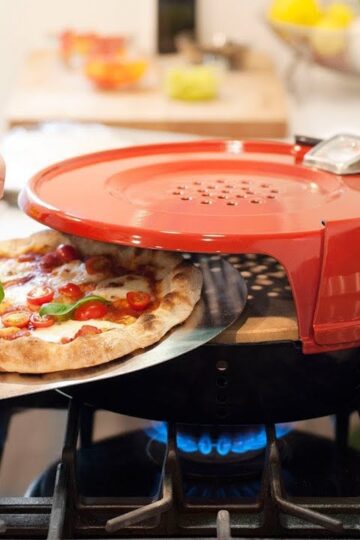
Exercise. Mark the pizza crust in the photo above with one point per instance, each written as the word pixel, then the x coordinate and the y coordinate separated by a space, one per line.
pixel 179 290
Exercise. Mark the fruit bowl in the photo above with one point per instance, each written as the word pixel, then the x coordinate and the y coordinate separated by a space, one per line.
pixel 329 42
pixel 108 72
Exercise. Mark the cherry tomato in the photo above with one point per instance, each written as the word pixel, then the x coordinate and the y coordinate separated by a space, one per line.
pixel 87 330
pixel 94 309
pixel 99 264
pixel 138 300
pixel 67 253
pixel 120 308
pixel 27 257
pixel 13 332
pixel 71 290
pixel 20 319
pixel 40 295
pixel 39 321
pixel 49 261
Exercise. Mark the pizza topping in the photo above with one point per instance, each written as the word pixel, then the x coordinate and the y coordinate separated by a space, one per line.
pixel 67 253
pixel 27 257
pixel 49 261
pixel 56 309
pixel 99 264
pixel 17 318
pixel 138 300
pixel 2 292
pixel 13 332
pixel 72 291
pixel 38 321
pixel 40 295
pixel 18 281
pixel 85 330
pixel 91 310
pixel 88 330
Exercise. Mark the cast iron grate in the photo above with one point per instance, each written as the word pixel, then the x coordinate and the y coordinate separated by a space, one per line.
pixel 69 515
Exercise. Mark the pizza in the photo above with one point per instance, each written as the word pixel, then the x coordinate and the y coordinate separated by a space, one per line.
pixel 70 303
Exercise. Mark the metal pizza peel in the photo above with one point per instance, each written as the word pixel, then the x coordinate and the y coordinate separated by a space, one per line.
pixel 222 301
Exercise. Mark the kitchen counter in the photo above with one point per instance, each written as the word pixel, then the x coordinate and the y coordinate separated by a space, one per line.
pixel 251 101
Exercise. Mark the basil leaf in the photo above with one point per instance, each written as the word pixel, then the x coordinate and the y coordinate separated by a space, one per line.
pixel 56 309
pixel 2 292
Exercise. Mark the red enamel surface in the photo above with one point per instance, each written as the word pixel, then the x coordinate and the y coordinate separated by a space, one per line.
pixel 223 197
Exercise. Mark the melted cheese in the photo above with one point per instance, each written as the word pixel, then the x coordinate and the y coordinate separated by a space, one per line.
pixel 12 269
pixel 74 271
pixel 114 288
pixel 16 294
pixel 69 328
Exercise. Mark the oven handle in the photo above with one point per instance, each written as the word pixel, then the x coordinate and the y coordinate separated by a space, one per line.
pixel 303 140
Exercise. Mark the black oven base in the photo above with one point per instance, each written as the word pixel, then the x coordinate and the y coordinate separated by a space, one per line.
pixel 235 384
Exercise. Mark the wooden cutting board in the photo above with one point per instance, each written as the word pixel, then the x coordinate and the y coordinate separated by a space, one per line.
pixel 269 314
pixel 252 101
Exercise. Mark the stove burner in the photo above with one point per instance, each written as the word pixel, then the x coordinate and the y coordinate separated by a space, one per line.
pixel 246 440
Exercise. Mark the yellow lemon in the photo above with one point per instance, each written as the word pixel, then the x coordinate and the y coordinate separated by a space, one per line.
pixel 340 13
pixel 305 12
pixel 328 39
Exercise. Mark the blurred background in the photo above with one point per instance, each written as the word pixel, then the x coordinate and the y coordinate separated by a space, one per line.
pixel 84 75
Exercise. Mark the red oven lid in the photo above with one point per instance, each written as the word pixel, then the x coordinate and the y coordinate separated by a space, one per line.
pixel 220 197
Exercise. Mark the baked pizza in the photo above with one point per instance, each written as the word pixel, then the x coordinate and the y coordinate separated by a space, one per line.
pixel 70 303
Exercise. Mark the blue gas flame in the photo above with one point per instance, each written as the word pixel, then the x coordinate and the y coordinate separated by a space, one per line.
pixel 222 445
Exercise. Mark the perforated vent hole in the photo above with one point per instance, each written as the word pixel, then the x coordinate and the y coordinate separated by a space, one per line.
pixel 232 193
pixel 206 201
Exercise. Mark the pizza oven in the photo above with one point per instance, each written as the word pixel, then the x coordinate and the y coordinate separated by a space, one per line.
pixel 276 342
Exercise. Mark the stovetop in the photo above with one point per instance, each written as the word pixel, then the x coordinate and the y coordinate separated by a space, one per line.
pixel 216 481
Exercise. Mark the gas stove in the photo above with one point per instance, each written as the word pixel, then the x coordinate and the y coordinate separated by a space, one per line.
pixel 177 480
